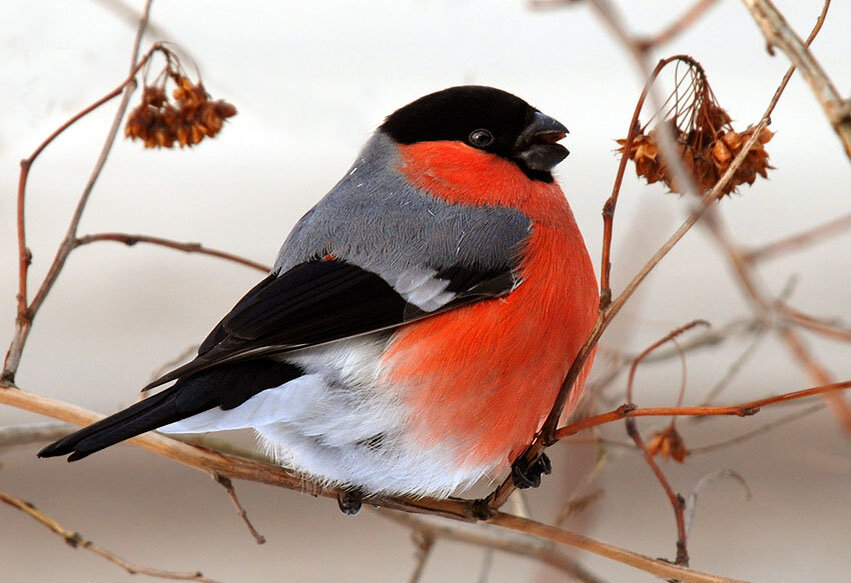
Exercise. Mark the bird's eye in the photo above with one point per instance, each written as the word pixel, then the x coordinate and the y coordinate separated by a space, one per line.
pixel 480 138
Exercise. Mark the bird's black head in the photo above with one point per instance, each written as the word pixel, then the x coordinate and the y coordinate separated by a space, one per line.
pixel 487 119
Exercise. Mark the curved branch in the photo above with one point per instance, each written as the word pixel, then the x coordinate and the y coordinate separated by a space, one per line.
pixel 190 247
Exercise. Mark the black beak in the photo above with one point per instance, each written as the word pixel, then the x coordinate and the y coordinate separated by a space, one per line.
pixel 537 146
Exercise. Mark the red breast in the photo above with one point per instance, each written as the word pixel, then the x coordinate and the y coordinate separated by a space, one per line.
pixel 481 379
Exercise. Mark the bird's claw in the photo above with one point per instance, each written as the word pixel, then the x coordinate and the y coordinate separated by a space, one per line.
pixel 528 475
pixel 350 501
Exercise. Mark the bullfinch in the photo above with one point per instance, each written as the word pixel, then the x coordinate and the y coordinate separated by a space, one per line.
pixel 419 320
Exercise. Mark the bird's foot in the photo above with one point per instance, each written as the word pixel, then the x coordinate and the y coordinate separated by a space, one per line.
pixel 528 475
pixel 350 501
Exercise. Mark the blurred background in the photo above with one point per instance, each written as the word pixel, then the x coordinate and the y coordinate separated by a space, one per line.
pixel 311 80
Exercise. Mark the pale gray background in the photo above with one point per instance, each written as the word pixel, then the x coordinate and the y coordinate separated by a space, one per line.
pixel 311 80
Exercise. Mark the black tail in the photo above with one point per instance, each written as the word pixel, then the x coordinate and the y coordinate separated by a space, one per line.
pixel 226 386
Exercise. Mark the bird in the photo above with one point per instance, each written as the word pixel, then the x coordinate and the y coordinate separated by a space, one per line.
pixel 418 322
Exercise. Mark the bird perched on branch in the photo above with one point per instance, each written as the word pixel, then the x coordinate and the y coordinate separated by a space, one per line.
pixel 419 320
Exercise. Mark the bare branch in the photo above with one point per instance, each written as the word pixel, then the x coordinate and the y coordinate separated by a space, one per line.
pixel 523 545
pixel 688 18
pixel 228 486
pixel 778 33
pixel 463 510
pixel 637 560
pixel 76 540
pixel 800 241
pixel 131 240
pixel 424 543
pixel 26 312
pixel 33 433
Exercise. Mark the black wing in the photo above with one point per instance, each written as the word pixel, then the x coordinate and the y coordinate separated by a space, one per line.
pixel 321 301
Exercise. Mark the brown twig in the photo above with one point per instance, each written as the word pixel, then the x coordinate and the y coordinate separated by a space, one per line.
pixel 822 327
pixel 740 410
pixel 687 19
pixel 227 484
pixel 639 561
pixel 27 311
pixel 33 433
pixel 758 431
pixel 76 540
pixel 522 545
pixel 463 510
pixel 190 247
pixel 676 500
pixel 778 33
pixel 424 544
pixel 611 204
pixel 800 241
pixel 733 369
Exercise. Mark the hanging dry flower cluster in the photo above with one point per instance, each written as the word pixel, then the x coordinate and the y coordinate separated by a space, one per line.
pixel 161 124
pixel 703 136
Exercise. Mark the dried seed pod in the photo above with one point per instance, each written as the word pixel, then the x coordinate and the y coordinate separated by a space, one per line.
pixel 706 141
pixel 159 123
pixel 668 444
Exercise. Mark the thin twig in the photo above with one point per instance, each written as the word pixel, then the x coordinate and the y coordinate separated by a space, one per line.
pixel 760 334
pixel 33 433
pixel 637 560
pixel 227 484
pixel 676 500
pixel 828 329
pixel 424 544
pixel 778 33
pixel 189 247
pixel 76 540
pixel 463 510
pixel 740 410
pixel 27 311
pixel 522 545
pixel 758 431
pixel 800 241
pixel 688 18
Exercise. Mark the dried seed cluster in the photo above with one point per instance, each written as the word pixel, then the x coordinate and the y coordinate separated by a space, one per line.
pixel 704 137
pixel 161 124
pixel 668 444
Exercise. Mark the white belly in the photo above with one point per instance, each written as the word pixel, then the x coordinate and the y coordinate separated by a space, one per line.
pixel 342 424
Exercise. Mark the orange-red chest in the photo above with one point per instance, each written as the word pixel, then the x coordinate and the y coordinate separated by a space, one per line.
pixel 479 380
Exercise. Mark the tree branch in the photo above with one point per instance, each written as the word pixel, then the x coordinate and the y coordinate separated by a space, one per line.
pixel 76 540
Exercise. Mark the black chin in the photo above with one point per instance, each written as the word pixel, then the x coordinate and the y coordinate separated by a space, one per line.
pixel 542 157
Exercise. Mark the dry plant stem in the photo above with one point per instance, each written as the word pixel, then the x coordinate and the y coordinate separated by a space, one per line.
pixel 33 433
pixel 758 431
pixel 189 247
pixel 611 203
pixel 823 328
pixel 740 410
pixel 677 502
pixel 761 299
pixel 522 545
pixel 688 18
pixel 228 486
pixel 655 567
pixel 424 544
pixel 464 510
pixel 778 33
pixel 75 540
pixel 26 312
pixel 799 241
